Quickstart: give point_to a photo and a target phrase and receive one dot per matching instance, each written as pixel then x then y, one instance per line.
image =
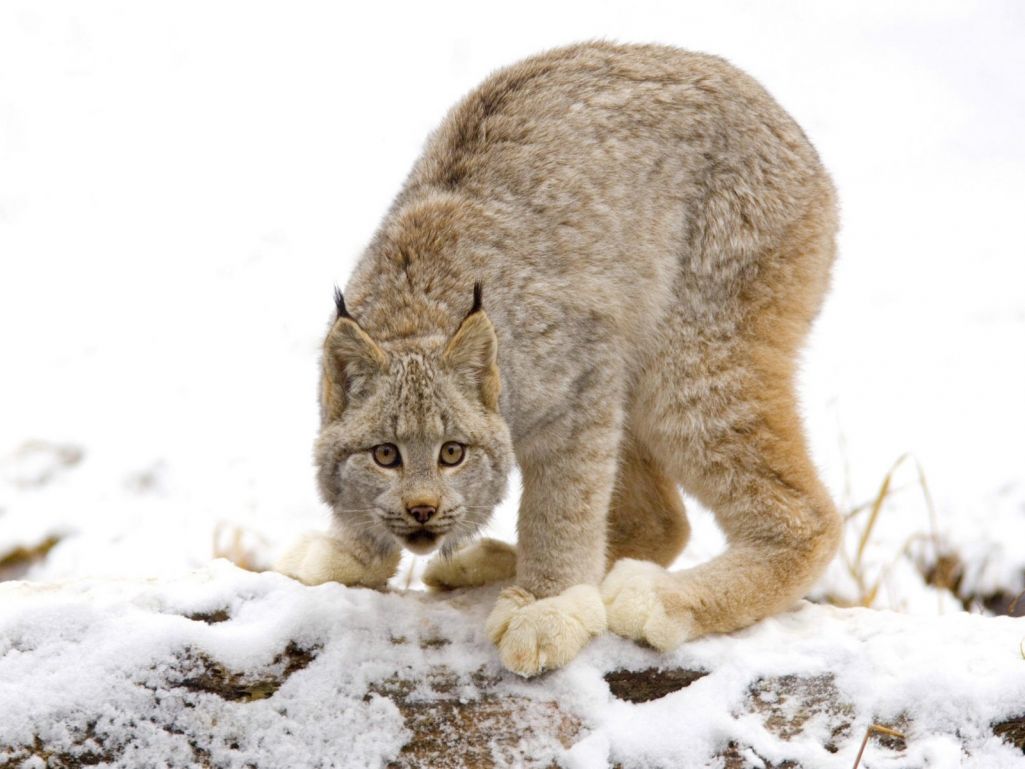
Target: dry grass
pixel 240 545
pixel 936 560
pixel 876 729
pixel 857 567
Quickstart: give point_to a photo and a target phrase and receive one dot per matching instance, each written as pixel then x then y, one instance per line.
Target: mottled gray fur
pixel 653 234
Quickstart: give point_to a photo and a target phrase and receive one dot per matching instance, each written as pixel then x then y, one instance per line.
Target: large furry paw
pixel 635 594
pixel 318 558
pixel 535 635
pixel 481 563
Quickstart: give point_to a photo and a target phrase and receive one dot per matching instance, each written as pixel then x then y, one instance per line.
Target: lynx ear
pixel 472 353
pixel 349 353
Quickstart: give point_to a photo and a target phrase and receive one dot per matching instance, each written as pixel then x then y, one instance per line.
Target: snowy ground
pixel 181 185
pixel 337 677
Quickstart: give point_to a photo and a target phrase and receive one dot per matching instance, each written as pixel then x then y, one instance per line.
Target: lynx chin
pixel 602 269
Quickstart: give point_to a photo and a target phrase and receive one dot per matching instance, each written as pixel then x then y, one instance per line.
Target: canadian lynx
pixel 602 268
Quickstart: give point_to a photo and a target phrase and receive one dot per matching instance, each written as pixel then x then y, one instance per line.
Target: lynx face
pixel 412 446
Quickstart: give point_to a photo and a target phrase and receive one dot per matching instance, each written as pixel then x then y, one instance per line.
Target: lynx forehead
pixel 653 235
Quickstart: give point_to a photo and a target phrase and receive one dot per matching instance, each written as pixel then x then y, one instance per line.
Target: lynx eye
pixel 387 455
pixel 452 454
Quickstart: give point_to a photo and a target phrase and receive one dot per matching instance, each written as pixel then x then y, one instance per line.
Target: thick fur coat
pixel 653 235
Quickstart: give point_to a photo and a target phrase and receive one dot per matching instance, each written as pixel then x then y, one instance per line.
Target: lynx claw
pixel 479 564
pixel 317 558
pixel 633 595
pixel 535 635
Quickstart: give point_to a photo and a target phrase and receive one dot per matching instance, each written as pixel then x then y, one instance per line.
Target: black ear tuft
pixel 478 291
pixel 340 304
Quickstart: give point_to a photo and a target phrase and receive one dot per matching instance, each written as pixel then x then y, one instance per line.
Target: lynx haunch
pixel 651 236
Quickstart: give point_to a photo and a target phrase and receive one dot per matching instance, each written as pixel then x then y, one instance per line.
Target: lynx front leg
pixel 556 607
pixel 319 557
pixel 478 564
pixel 534 635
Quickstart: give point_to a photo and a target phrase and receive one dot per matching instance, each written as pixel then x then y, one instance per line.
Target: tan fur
pixel 654 236
pixel 347 350
pixel 646 516
pixel 317 558
pixel 481 563
pixel 473 352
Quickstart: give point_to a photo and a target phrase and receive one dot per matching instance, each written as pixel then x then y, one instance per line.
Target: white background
pixel 182 183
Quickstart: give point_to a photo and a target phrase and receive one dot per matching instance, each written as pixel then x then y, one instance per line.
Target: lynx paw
pixel 481 563
pixel 634 593
pixel 318 558
pixel 534 635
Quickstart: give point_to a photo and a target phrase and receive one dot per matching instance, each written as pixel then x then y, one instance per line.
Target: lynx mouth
pixel 421 542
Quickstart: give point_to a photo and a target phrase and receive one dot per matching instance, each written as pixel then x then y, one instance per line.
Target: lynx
pixel 601 268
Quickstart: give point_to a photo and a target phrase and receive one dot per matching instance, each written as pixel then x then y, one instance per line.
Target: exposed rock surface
pixel 225 668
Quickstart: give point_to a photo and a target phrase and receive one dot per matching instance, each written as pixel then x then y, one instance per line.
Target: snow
pixel 181 186
pixel 178 197
pixel 108 658
pixel 81 653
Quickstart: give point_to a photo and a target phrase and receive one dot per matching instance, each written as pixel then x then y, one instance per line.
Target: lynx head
pixel 412 447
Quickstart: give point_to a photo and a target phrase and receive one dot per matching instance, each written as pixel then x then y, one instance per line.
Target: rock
pixel 228 668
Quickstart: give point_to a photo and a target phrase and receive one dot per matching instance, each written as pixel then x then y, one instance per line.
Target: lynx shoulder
pixel 651 237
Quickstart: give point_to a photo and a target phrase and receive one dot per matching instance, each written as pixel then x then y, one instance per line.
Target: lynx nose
pixel 422 513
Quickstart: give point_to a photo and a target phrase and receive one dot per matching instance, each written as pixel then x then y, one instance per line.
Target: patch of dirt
pixel 466 723
pixel 198 673
pixel 14 564
pixel 787 703
pixel 650 683
pixel 1005 604
pixel 434 643
pixel 893 742
pixel 90 749
pixel 89 752
pixel 735 757
pixel 204 674
pixel 209 617
pixel 947 573
pixel 1012 732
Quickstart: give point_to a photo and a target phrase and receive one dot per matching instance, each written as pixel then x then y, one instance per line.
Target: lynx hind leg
pixel 646 517
pixel 781 527
pixel 721 414
pixel 637 595
pixel 317 558
pixel 478 564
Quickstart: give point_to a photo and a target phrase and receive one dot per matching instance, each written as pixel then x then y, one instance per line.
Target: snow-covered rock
pixel 227 668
